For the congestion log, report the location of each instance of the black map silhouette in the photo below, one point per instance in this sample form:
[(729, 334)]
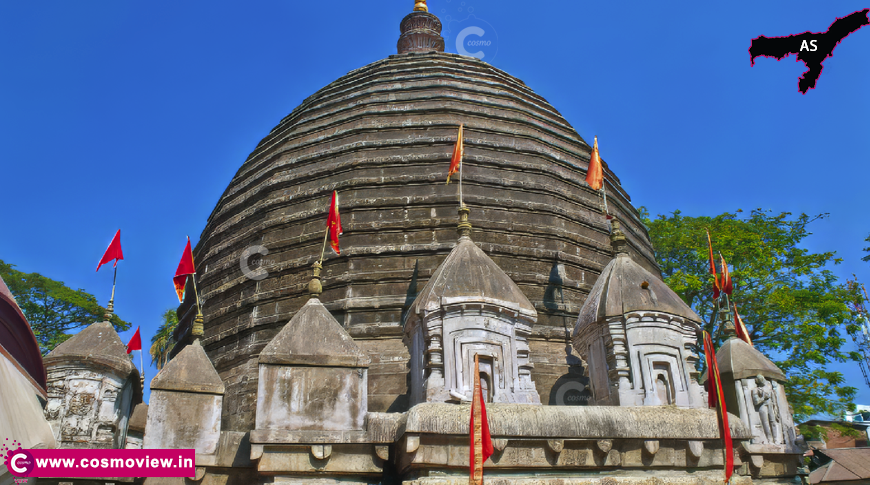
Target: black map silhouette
[(825, 42)]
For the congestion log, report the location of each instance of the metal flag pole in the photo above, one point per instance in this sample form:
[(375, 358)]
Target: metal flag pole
[(196, 294), (323, 249), (461, 204), (142, 364), (604, 191), (110, 309)]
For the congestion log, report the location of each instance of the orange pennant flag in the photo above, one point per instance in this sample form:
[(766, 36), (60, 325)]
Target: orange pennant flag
[(458, 151), (717, 400), (595, 174), (727, 287), (333, 223), (742, 333), (713, 266), (481, 441)]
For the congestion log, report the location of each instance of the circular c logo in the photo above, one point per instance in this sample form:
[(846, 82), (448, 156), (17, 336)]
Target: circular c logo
[(255, 274), (573, 399), (460, 41), (21, 463)]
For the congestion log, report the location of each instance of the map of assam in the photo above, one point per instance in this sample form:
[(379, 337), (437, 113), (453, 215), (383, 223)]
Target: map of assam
[(812, 48)]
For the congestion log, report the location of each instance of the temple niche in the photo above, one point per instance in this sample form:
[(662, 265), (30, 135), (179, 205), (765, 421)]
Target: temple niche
[(92, 389), (638, 337), (470, 306)]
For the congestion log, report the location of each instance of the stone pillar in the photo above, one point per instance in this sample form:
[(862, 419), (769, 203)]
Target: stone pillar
[(186, 403), (312, 402)]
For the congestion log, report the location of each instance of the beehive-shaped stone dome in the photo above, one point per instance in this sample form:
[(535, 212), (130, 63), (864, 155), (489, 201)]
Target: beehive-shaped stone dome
[(382, 136)]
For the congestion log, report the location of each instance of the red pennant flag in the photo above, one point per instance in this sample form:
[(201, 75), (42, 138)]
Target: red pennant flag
[(727, 286), (481, 442), (713, 267), (458, 151), (718, 401), (333, 223), (135, 342), (594, 174), (742, 333), (113, 251), (185, 268)]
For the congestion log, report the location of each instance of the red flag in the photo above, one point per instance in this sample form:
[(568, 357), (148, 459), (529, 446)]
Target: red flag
[(594, 174), (185, 268), (113, 251), (742, 333), (333, 223), (481, 442), (458, 151), (718, 400), (135, 342), (727, 286), (713, 267)]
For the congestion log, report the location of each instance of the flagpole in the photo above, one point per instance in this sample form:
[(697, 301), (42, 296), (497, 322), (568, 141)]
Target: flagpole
[(323, 249), (461, 204), (111, 307), (142, 364), (604, 191), (196, 294)]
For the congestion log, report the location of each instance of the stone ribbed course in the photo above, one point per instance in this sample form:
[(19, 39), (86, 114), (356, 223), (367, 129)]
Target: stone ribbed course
[(382, 136)]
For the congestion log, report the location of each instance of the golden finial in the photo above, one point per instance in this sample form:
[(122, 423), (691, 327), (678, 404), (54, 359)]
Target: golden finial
[(464, 227), (314, 286), (197, 330), (617, 238), (420, 6)]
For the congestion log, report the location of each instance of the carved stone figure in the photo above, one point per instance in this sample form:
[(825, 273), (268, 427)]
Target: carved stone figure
[(765, 405)]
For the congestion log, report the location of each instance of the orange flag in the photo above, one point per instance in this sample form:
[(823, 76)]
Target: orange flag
[(113, 251), (185, 268), (458, 151), (742, 333), (713, 267), (481, 442), (333, 223), (594, 174), (717, 400), (727, 287)]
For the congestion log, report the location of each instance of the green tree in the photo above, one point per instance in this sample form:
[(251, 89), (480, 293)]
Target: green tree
[(791, 302), (867, 249), (162, 342), (52, 308)]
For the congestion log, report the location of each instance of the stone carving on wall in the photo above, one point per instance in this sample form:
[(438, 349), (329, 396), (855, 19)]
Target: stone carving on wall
[(764, 400), (449, 345), (92, 386)]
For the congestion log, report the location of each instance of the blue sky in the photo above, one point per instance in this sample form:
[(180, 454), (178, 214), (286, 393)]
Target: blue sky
[(137, 115)]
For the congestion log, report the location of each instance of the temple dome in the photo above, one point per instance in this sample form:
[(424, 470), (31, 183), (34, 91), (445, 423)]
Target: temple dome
[(468, 275), (620, 289), (382, 136), (742, 360)]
